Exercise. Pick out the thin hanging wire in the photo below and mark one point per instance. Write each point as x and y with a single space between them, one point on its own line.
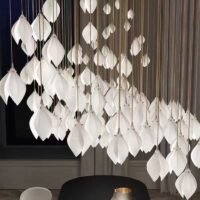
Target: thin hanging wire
22 12
181 78
112 71
11 44
76 22
147 68
98 30
33 13
90 97
119 97
132 76
172 74
189 92
158 68
40 53
142 34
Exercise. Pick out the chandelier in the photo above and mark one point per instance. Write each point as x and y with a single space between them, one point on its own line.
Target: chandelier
93 95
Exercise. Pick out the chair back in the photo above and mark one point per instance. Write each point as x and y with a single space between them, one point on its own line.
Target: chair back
36 193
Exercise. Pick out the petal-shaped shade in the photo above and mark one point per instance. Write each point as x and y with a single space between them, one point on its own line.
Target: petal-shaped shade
60 130
141 39
14 86
182 143
51 10
105 50
145 60
195 155
46 99
53 50
41 28
82 5
28 72
86 59
78 140
127 26
98 58
146 136
22 30
117 4
93 126
170 131
90 5
194 129
107 9
126 66
4 93
105 139
29 47
75 55
110 60
130 14
106 33
70 120
112 28
157 133
133 141
139 115
103 85
34 101
89 33
157 166
117 149
59 110
112 125
177 161
32 126
59 85
110 109
135 47
186 184
48 73
86 75
42 123
98 101
153 167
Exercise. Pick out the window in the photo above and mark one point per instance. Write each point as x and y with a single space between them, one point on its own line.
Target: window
16 139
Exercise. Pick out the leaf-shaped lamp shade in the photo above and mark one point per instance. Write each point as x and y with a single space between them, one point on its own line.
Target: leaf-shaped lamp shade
177 161
21 30
42 123
14 86
157 166
28 72
147 138
89 33
29 47
34 101
53 50
133 141
170 131
186 184
51 10
195 155
43 32
117 149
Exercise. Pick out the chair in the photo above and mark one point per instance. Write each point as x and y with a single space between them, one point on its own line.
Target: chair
36 193
100 188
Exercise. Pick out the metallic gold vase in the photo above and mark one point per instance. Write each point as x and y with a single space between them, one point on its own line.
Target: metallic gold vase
123 193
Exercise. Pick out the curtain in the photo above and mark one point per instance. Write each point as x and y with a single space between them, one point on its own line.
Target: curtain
179 43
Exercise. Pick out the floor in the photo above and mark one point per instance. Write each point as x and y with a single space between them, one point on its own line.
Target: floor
155 195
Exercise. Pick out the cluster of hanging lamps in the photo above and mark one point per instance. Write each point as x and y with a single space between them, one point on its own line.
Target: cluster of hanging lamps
110 112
